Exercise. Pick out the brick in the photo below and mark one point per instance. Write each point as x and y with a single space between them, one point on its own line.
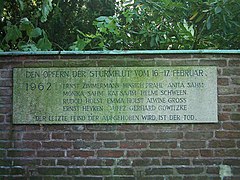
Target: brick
235 117
161 62
5 162
223 116
155 153
99 162
232 162
57 145
223 81
124 162
17 171
192 144
119 177
163 145
227 134
5 110
159 171
206 127
213 170
169 135
206 153
157 127
141 162
175 161
128 127
110 136
229 99
123 171
70 162
4 171
236 80
80 153
133 153
51 171
97 171
32 127
206 161
5 144
101 127
2 118
222 144
229 107
87 145
213 62
9 65
20 153
110 153
50 153
62 63
48 162
58 135
82 177
199 135
3 153
174 177
82 136
6 91
190 170
27 145
185 153
36 136
236 170
227 153
154 177
73 171
201 177
5 100
6 83
6 74
13 135
226 90
184 62
56 127
36 64
110 144
234 63
231 71
78 128
137 135
133 145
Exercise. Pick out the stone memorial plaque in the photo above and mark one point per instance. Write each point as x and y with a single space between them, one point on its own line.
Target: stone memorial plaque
184 94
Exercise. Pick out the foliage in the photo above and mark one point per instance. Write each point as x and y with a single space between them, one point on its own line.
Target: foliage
169 24
108 24
20 33
59 21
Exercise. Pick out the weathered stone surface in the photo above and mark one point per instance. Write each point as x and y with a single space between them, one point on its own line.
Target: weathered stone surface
181 94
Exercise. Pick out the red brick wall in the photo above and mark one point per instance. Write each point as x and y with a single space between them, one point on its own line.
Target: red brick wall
139 151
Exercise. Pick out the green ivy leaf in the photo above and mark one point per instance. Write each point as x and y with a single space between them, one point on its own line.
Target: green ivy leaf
23 46
209 23
36 32
26 25
46 9
218 9
13 33
102 18
21 4
44 44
